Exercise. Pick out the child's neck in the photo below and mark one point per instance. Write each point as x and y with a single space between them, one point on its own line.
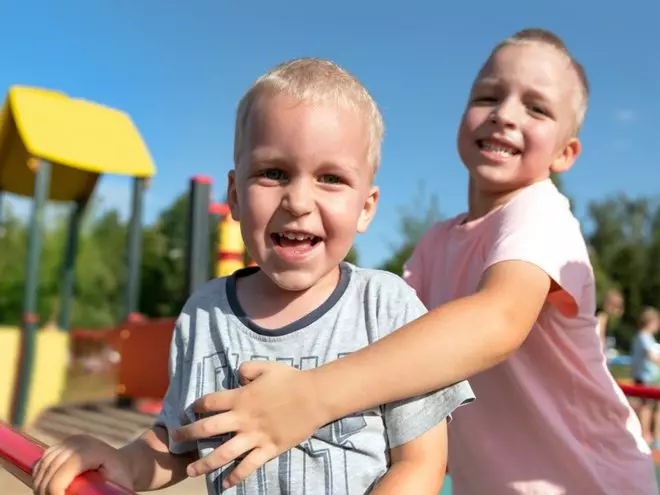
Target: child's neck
480 202
270 306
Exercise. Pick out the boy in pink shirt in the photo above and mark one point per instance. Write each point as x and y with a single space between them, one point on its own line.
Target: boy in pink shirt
549 419
511 295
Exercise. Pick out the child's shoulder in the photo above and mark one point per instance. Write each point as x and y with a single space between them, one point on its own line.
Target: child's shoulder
374 276
208 295
541 199
375 282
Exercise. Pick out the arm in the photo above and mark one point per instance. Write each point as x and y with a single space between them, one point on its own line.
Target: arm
418 466
151 465
498 318
144 464
651 351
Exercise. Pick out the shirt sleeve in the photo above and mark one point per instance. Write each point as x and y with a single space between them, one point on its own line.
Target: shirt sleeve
420 262
408 419
539 228
173 414
413 269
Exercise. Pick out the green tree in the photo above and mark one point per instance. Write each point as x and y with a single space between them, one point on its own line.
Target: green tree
12 266
625 243
163 262
352 256
100 272
414 221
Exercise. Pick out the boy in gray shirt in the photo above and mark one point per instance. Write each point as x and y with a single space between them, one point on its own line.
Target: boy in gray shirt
307 147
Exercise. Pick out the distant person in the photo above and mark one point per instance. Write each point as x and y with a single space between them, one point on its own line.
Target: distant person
612 307
645 370
511 293
307 148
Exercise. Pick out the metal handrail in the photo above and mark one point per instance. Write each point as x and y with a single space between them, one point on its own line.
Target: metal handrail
19 453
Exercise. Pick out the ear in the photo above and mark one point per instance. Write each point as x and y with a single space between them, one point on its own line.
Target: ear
232 195
368 210
567 156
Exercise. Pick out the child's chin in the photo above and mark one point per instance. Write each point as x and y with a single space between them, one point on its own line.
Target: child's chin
295 280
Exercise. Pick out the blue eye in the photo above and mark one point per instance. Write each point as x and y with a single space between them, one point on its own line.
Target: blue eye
273 174
331 179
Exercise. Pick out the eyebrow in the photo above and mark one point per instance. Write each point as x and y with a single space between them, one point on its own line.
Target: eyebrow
265 156
493 83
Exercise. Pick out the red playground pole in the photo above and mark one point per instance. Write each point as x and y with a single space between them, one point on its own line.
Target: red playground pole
19 454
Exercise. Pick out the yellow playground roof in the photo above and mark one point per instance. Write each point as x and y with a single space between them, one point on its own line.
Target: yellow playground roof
81 139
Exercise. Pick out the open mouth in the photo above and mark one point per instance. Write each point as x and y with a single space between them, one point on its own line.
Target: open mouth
497 147
295 239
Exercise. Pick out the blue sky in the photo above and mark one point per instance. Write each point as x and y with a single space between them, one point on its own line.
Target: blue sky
179 68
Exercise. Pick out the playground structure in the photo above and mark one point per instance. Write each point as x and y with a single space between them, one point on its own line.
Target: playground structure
24 454
144 376
55 148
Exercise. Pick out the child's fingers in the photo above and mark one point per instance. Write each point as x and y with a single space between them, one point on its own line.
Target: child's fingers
208 427
41 466
50 470
236 447
72 464
246 467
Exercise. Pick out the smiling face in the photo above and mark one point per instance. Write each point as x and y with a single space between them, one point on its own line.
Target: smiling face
519 121
302 188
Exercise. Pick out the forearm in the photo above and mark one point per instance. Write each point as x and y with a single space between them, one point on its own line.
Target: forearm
151 463
447 345
407 477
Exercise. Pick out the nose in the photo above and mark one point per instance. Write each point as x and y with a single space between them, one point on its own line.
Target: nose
299 198
505 114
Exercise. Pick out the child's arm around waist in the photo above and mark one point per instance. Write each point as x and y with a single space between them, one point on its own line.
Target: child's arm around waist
467 335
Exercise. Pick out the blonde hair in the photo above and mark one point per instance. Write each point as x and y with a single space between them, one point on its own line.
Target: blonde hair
313 80
545 37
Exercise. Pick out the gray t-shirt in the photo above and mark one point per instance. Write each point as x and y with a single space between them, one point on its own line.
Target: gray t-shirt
213 336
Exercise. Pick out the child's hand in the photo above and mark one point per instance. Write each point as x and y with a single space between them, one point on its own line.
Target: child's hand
63 462
273 412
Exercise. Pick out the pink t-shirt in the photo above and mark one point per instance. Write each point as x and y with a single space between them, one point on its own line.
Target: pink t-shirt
549 420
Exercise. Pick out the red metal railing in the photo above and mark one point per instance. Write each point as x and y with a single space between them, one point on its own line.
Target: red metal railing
640 391
19 453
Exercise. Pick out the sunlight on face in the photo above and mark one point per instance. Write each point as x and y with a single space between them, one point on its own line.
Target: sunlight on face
516 127
302 188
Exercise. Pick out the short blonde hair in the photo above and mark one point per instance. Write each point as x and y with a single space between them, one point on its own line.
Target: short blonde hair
545 37
313 80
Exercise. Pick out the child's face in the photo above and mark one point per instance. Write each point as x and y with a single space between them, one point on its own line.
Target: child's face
302 188
655 324
517 126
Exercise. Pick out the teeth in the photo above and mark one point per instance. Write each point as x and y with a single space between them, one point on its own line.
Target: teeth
498 148
295 237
